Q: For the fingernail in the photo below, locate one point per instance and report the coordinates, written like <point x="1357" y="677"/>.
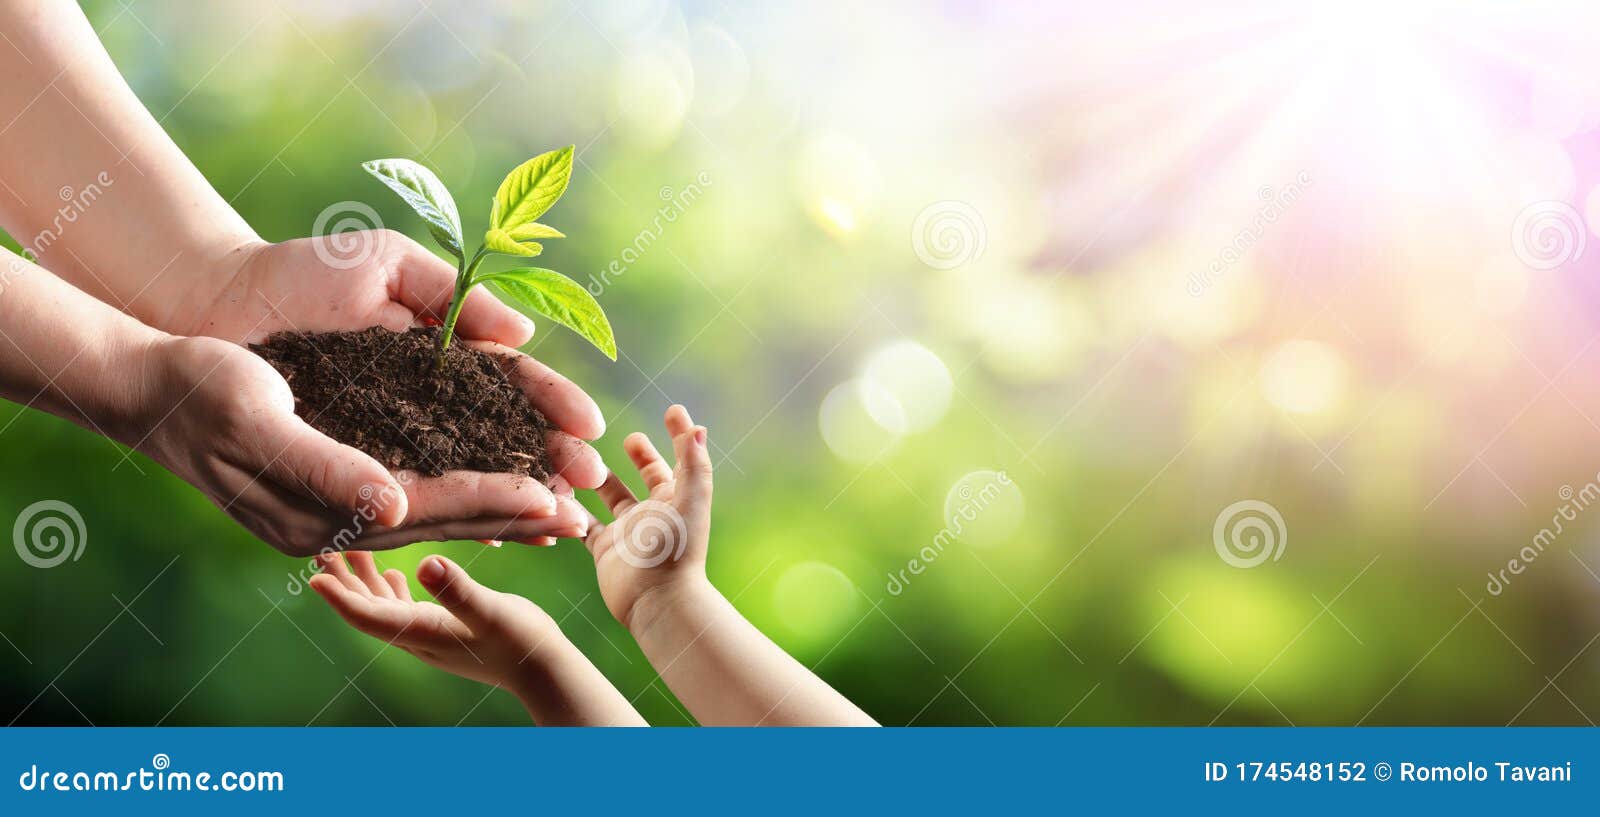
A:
<point x="432" y="570"/>
<point x="494" y="543"/>
<point x="525" y="324"/>
<point x="700" y="435"/>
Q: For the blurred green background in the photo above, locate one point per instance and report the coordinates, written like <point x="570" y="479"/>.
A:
<point x="884" y="254"/>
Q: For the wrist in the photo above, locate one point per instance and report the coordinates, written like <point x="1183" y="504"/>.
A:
<point x="672" y="599"/>
<point x="533" y="677"/>
<point x="124" y="379"/>
<point x="215" y="273"/>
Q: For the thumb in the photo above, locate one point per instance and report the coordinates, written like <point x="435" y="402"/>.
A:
<point x="426" y="284"/>
<point x="693" y="476"/>
<point x="304" y="459"/>
<point x="457" y="592"/>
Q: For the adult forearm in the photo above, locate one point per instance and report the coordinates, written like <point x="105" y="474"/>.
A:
<point x="71" y="355"/>
<point x="725" y="670"/>
<point x="94" y="187"/>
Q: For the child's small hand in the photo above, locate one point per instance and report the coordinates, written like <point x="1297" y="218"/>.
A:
<point x="657" y="543"/>
<point x="473" y="631"/>
<point x="488" y="636"/>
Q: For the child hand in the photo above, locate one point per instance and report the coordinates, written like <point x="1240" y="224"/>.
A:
<point x="473" y="631"/>
<point x="658" y="543"/>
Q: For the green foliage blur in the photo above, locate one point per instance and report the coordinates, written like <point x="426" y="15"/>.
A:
<point x="1102" y="600"/>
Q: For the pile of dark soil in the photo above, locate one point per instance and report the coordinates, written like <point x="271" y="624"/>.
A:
<point x="380" y="391"/>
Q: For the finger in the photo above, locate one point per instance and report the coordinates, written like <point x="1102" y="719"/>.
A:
<point x="693" y="475"/>
<point x="562" y="490"/>
<point x="568" y="523"/>
<point x="404" y="625"/>
<point x="333" y="565"/>
<point x="677" y="420"/>
<point x="355" y="608"/>
<point x="477" y="606"/>
<point x="616" y="494"/>
<point x="567" y="500"/>
<point x="396" y="317"/>
<point x="560" y="487"/>
<point x="484" y="317"/>
<point x="574" y="460"/>
<point x="565" y="405"/>
<point x="397" y="583"/>
<point x="303" y="460"/>
<point x="647" y="460"/>
<point x="366" y="569"/>
<point x="575" y="519"/>
<point x="459" y="495"/>
<point x="424" y="284"/>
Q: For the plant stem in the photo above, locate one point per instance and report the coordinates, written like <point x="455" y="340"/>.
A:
<point x="464" y="274"/>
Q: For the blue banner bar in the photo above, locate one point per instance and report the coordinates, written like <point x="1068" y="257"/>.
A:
<point x="276" y="770"/>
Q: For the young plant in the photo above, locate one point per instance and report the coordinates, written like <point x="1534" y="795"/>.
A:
<point x="527" y="193"/>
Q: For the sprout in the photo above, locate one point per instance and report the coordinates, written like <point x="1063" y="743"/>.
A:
<point x="527" y="193"/>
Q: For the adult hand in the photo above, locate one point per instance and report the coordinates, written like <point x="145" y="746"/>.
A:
<point x="344" y="281"/>
<point x="356" y="280"/>
<point x="161" y="245"/>
<point x="223" y="420"/>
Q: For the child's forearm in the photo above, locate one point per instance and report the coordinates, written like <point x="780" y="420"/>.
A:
<point x="725" y="670"/>
<point x="562" y="688"/>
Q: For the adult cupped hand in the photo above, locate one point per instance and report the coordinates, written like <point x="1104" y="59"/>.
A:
<point x="223" y="419"/>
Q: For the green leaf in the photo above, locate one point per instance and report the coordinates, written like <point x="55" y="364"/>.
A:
<point x="427" y="196"/>
<point x="533" y="229"/>
<point x="558" y="298"/>
<point x="532" y="189"/>
<point x="502" y="242"/>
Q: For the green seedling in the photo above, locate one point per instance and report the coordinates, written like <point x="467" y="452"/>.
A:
<point x="527" y="193"/>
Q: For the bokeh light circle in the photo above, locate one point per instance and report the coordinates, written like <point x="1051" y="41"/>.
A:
<point x="815" y="600"/>
<point x="721" y="70"/>
<point x="848" y="424"/>
<point x="839" y="182"/>
<point x="654" y="88"/>
<point x="1303" y="377"/>
<point x="906" y="387"/>
<point x="984" y="508"/>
